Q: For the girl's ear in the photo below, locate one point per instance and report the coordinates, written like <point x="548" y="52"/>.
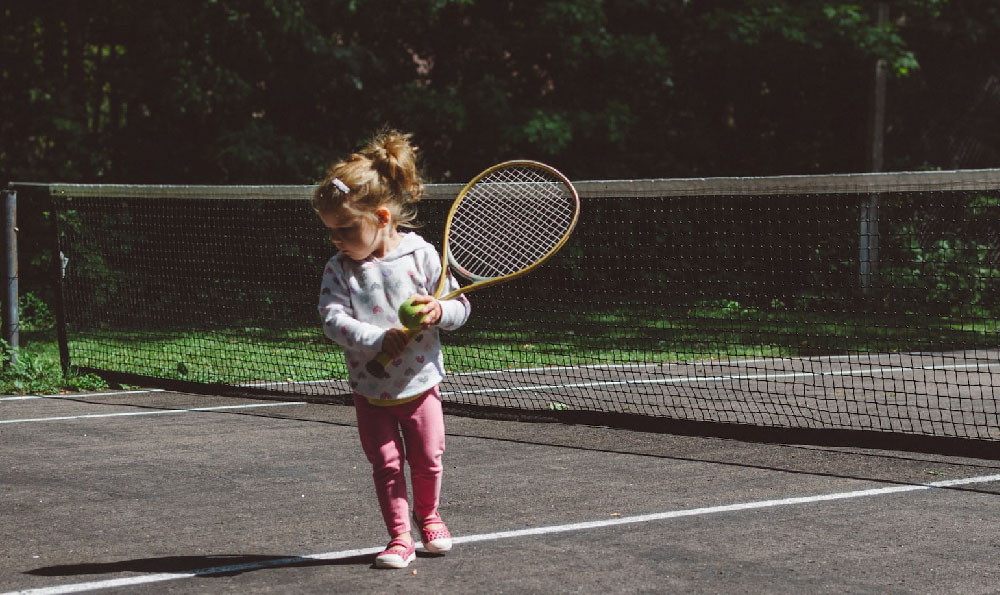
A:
<point x="383" y="216"/>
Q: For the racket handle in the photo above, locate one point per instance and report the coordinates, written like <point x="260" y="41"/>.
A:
<point x="376" y="367"/>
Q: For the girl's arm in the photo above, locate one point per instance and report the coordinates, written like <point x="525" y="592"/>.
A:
<point x="339" y="323"/>
<point x="454" y="312"/>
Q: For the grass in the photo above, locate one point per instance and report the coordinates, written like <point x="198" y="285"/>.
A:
<point x="38" y="370"/>
<point x="249" y="354"/>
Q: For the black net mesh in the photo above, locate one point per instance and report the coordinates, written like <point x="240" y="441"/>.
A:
<point x="747" y="309"/>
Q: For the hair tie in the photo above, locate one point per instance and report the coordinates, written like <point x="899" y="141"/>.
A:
<point x="340" y="185"/>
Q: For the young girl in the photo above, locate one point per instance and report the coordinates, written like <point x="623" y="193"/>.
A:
<point x="364" y="199"/>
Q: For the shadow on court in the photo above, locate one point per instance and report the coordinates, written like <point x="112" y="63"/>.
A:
<point x="217" y="565"/>
<point x="142" y="493"/>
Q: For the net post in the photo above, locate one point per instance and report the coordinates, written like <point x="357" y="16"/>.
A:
<point x="868" y="251"/>
<point x="58" y="273"/>
<point x="11" y="326"/>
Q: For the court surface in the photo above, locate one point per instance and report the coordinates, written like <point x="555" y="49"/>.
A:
<point x="157" y="492"/>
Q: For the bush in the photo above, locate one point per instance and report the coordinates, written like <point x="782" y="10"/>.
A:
<point x="34" y="314"/>
<point x="40" y="373"/>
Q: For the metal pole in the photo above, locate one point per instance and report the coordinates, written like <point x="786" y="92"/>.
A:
<point x="11" y="327"/>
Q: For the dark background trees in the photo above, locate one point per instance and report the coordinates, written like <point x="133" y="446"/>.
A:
<point x="269" y="91"/>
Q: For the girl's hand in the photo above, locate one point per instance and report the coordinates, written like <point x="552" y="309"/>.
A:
<point x="394" y="342"/>
<point x="432" y="309"/>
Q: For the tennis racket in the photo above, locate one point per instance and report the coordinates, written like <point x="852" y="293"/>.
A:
<point x="506" y="222"/>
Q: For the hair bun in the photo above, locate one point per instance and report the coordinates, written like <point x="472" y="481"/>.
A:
<point x="383" y="173"/>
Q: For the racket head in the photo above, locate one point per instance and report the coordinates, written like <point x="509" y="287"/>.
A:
<point x="508" y="220"/>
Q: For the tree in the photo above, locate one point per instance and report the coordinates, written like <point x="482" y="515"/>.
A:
<point x="269" y="91"/>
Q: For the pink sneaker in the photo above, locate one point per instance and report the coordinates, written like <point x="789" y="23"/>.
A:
<point x="436" y="541"/>
<point x="398" y="557"/>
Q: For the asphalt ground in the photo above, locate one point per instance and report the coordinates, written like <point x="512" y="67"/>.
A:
<point x="157" y="492"/>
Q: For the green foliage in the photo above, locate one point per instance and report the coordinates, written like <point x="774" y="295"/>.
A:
<point x="39" y="372"/>
<point x="550" y="132"/>
<point x="34" y="314"/>
<point x="956" y="273"/>
<point x="269" y="91"/>
<point x="942" y="253"/>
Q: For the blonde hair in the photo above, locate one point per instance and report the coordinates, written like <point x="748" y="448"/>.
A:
<point x="382" y="174"/>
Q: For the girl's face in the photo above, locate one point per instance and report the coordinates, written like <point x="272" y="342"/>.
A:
<point x="359" y="236"/>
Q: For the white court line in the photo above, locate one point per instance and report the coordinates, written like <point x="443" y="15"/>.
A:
<point x="548" y="530"/>
<point x="139" y="413"/>
<point x="82" y="395"/>
<point x="868" y="359"/>
<point x="722" y="363"/>
<point x="696" y="363"/>
<point x="699" y="379"/>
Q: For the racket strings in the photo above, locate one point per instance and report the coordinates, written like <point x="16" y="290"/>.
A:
<point x="525" y="247"/>
<point x="509" y="220"/>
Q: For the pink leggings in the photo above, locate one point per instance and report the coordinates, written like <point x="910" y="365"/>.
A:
<point x="414" y="430"/>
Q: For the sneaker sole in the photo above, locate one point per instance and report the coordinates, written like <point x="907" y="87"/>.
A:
<point x="393" y="561"/>
<point x="435" y="547"/>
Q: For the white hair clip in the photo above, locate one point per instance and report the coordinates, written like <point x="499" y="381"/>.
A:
<point x="340" y="185"/>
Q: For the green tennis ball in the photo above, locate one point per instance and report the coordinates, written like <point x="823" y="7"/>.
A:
<point x="410" y="314"/>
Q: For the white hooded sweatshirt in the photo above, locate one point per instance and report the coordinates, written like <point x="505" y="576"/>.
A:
<point x="358" y="303"/>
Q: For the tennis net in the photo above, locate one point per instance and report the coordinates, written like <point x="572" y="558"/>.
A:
<point x="865" y="302"/>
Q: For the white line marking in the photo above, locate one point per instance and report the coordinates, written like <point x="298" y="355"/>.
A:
<point x="277" y="383"/>
<point x="646" y="518"/>
<point x="82" y="395"/>
<point x="869" y="359"/>
<point x="138" y="413"/>
<point x="699" y="379"/>
<point x="718" y="363"/>
<point x="681" y="364"/>
<point x="543" y="369"/>
<point x="858" y="358"/>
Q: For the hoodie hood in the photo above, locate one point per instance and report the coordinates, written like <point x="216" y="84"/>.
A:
<point x="409" y="244"/>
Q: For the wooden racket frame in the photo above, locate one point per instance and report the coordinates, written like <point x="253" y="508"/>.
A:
<point x="478" y="282"/>
<point x="448" y="263"/>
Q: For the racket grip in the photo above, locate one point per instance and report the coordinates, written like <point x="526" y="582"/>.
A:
<point x="376" y="367"/>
